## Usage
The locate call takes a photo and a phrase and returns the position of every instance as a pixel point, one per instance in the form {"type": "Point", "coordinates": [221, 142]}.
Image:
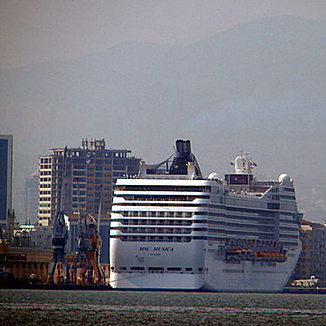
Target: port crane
{"type": "Point", "coordinates": [85, 266]}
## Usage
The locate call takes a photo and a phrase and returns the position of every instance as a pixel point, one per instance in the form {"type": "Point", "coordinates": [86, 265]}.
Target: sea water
{"type": "Point", "coordinates": [57, 307]}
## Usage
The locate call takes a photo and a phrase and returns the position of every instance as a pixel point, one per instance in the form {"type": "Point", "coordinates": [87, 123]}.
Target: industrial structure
{"type": "Point", "coordinates": [85, 265]}
{"type": "Point", "coordinates": [91, 173]}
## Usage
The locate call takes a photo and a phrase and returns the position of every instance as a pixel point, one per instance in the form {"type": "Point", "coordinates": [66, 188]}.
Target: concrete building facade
{"type": "Point", "coordinates": [90, 173]}
{"type": "Point", "coordinates": [6, 164]}
{"type": "Point", "coordinates": [319, 251]}
{"type": "Point", "coordinates": [312, 261]}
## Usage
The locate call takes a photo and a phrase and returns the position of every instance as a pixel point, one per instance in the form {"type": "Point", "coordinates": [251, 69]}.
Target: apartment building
{"type": "Point", "coordinates": [89, 173]}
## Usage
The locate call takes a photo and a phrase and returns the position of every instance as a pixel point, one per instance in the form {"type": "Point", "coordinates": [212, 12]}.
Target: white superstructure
{"type": "Point", "coordinates": [172, 229]}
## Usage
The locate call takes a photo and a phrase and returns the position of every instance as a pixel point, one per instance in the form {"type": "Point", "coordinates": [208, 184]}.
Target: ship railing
{"type": "Point", "coordinates": [185, 199]}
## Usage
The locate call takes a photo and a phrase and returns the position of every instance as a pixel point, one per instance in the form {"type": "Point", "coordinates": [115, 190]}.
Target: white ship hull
{"type": "Point", "coordinates": [156, 281]}
{"type": "Point", "coordinates": [249, 276]}
{"type": "Point", "coordinates": [154, 254]}
{"type": "Point", "coordinates": [217, 275]}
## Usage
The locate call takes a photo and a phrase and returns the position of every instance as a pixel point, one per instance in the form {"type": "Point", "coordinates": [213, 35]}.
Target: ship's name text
{"type": "Point", "coordinates": [156, 249]}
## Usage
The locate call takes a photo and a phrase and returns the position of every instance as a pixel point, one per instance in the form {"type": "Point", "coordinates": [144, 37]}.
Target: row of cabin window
{"type": "Point", "coordinates": [165, 188]}
{"type": "Point", "coordinates": [154, 222]}
{"type": "Point", "coordinates": [161, 222]}
{"type": "Point", "coordinates": [142, 238]}
{"type": "Point", "coordinates": [163, 197]}
{"type": "Point", "coordinates": [158, 269]}
{"type": "Point", "coordinates": [158, 230]}
{"type": "Point", "coordinates": [156, 214]}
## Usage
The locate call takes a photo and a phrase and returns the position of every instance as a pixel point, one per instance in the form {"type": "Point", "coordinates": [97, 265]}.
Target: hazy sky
{"type": "Point", "coordinates": [265, 79]}
{"type": "Point", "coordinates": [33, 31]}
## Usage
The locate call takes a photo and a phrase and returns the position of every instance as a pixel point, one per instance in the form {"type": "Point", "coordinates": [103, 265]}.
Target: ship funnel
{"type": "Point", "coordinates": [183, 146]}
{"type": "Point", "coordinates": [182, 157]}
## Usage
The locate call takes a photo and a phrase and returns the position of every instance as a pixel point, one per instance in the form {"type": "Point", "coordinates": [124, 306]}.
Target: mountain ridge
{"type": "Point", "coordinates": [262, 87]}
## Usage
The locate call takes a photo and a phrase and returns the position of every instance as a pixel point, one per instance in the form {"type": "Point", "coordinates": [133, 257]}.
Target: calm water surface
{"type": "Point", "coordinates": [51, 307]}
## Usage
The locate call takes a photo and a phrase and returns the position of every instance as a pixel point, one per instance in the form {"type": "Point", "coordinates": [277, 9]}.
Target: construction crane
{"type": "Point", "coordinates": [60, 233]}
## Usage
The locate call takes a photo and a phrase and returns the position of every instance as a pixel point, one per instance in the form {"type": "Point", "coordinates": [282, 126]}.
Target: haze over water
{"type": "Point", "coordinates": [37, 307]}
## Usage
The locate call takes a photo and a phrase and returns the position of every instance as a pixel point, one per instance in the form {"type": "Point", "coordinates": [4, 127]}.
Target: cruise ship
{"type": "Point", "coordinates": [173, 229]}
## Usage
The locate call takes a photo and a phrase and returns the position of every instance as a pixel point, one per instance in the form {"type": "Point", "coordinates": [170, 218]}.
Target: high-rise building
{"type": "Point", "coordinates": [31, 198]}
{"type": "Point", "coordinates": [6, 162]}
{"type": "Point", "coordinates": [312, 260]}
{"type": "Point", "coordinates": [89, 173]}
{"type": "Point", "coordinates": [319, 251]}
